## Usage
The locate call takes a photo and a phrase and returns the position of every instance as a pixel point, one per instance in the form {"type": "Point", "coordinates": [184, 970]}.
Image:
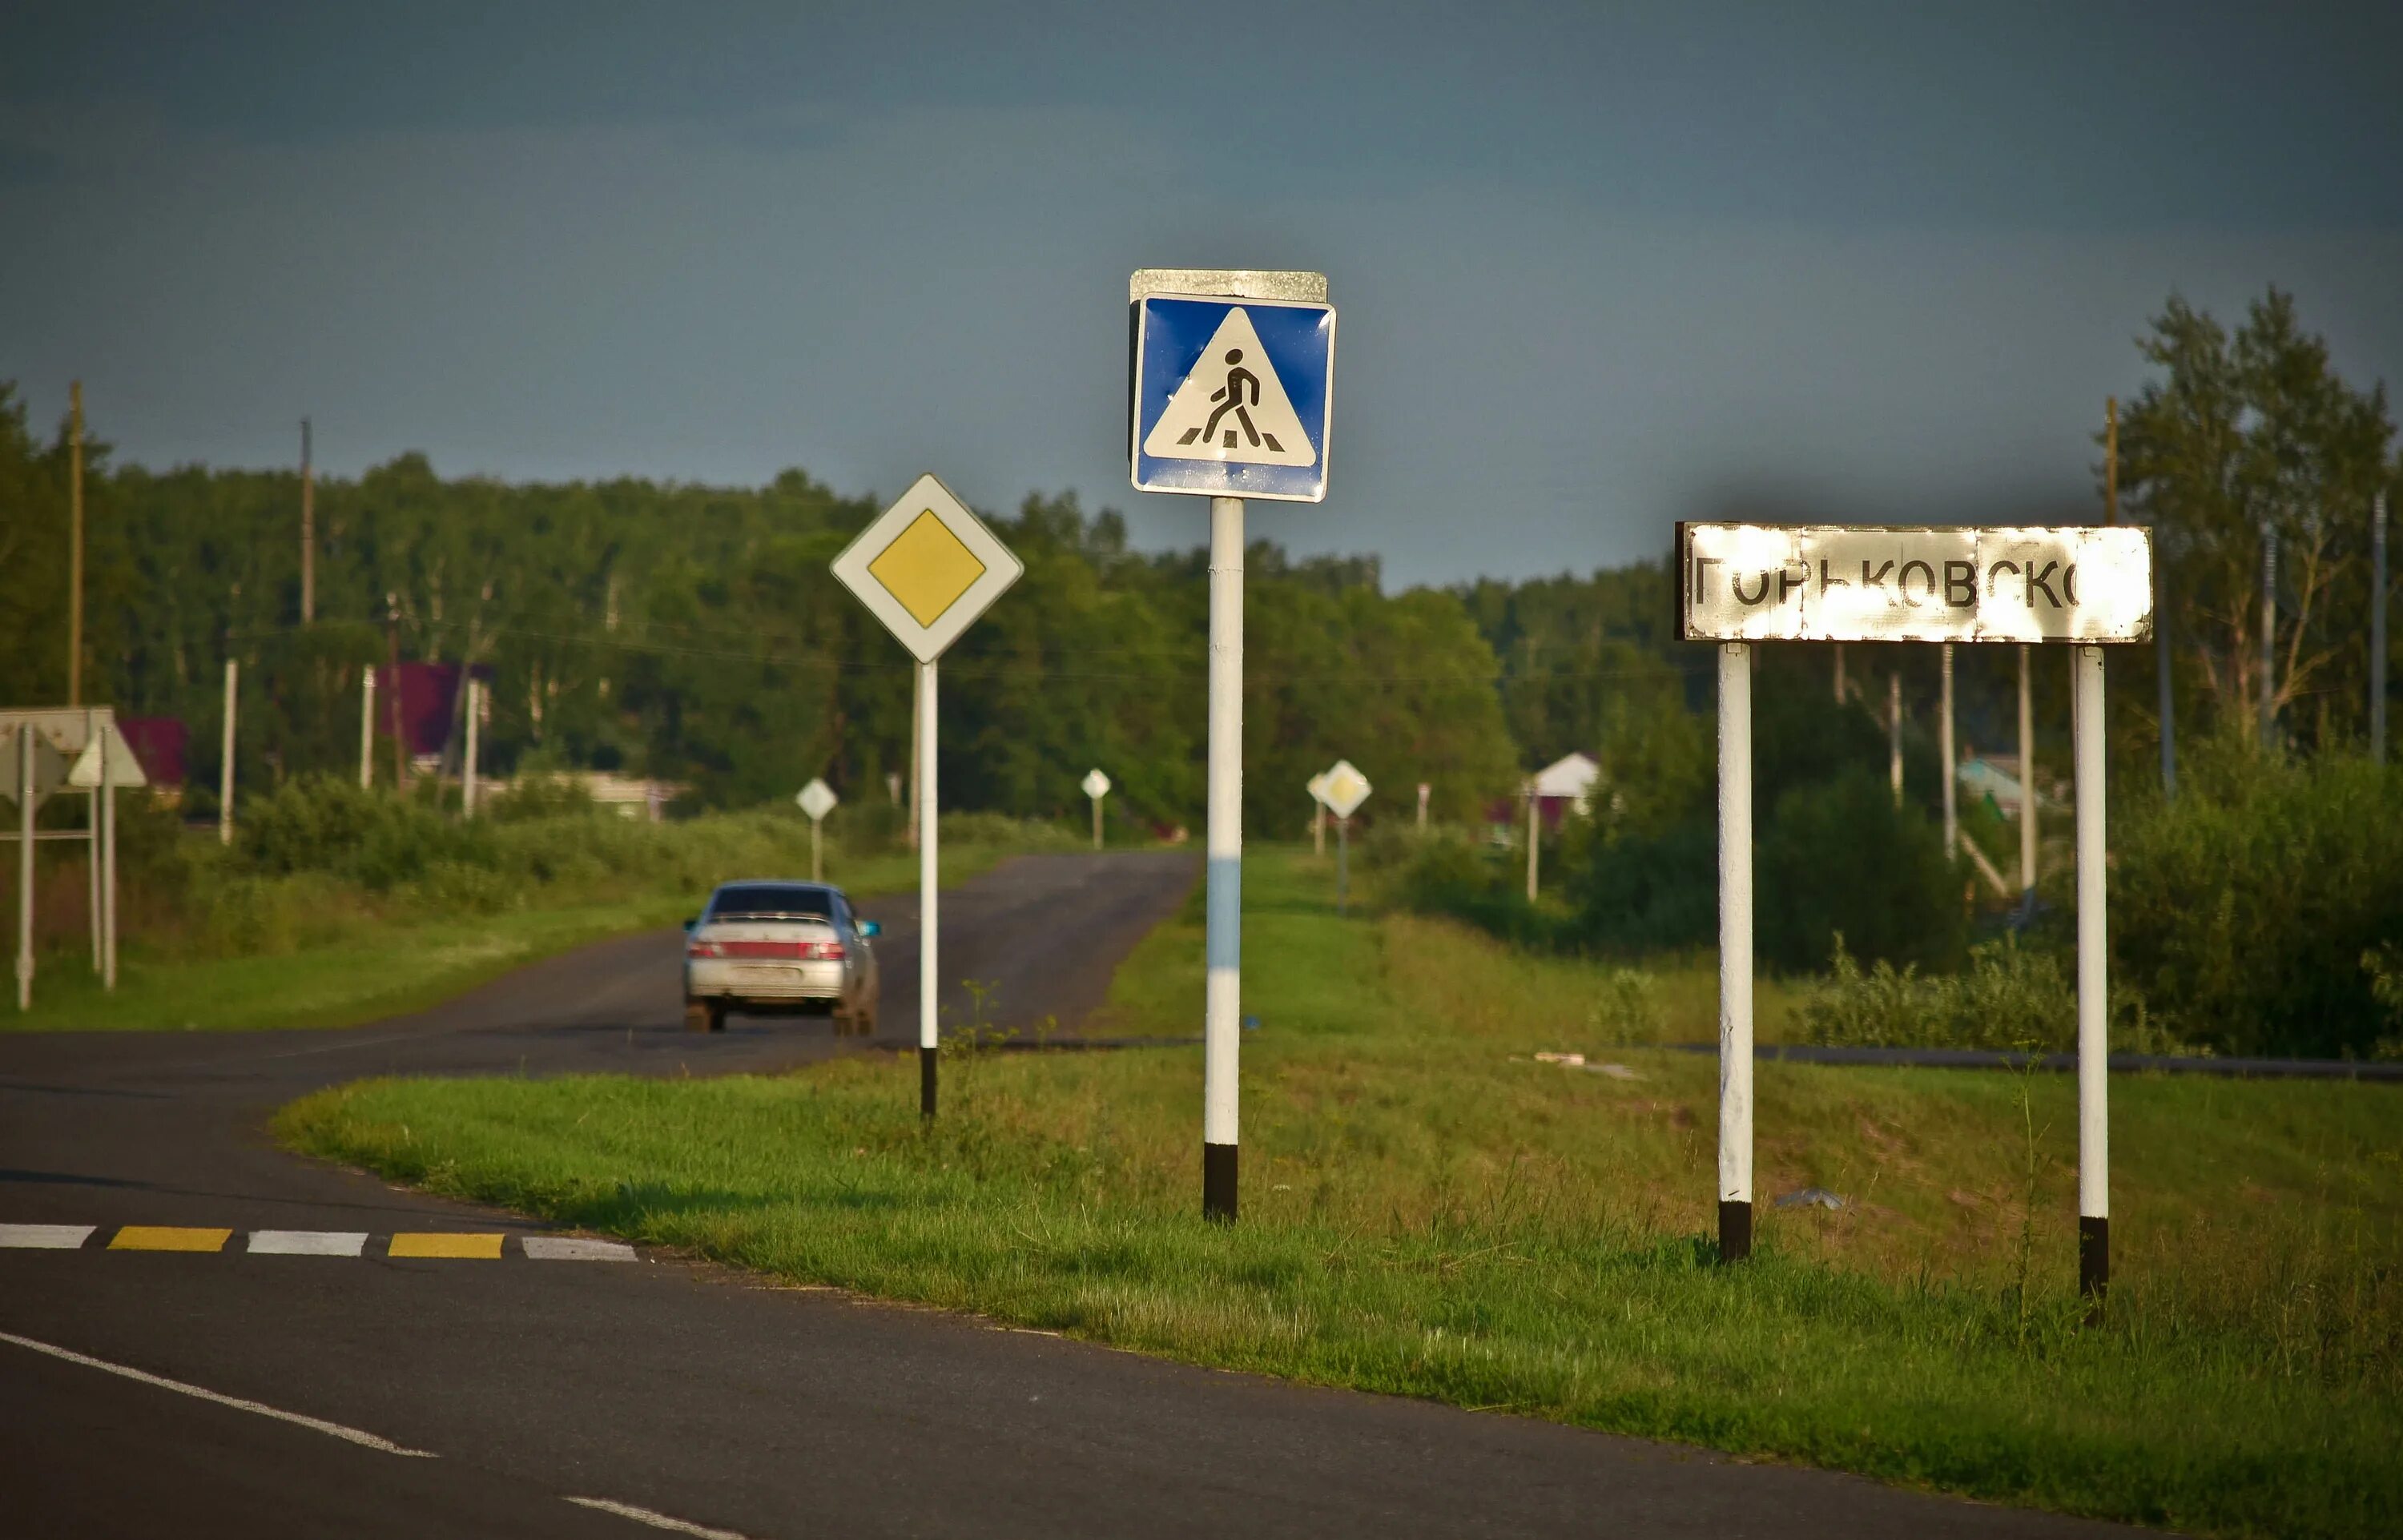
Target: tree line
{"type": "Point", "coordinates": [694, 633]}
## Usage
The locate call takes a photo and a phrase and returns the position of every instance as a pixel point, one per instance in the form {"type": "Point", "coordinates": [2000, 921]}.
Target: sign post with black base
{"type": "Point", "coordinates": [1742, 583]}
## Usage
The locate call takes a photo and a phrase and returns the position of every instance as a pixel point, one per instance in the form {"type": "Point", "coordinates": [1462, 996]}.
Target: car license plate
{"type": "Point", "coordinates": [766, 975]}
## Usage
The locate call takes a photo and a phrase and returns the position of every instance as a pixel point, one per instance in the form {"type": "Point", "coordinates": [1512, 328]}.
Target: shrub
{"type": "Point", "coordinates": [2010, 997]}
{"type": "Point", "coordinates": [1838, 857]}
{"type": "Point", "coordinates": [2243, 908]}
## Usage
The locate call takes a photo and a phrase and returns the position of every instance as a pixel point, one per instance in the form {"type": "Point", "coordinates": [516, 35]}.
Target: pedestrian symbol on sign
{"type": "Point", "coordinates": [1232, 406]}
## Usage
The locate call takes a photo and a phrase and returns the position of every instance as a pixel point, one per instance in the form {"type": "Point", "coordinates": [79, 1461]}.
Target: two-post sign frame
{"type": "Point", "coordinates": [1738, 584]}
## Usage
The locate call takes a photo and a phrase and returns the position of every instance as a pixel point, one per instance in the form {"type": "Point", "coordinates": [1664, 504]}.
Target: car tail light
{"type": "Point", "coordinates": [782, 952]}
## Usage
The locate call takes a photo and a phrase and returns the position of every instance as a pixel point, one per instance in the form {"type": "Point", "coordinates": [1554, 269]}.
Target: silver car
{"type": "Point", "coordinates": [769, 947]}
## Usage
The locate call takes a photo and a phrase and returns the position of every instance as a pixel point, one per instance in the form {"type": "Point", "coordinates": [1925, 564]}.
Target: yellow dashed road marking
{"type": "Point", "coordinates": [168, 1238]}
{"type": "Point", "coordinates": [483, 1248]}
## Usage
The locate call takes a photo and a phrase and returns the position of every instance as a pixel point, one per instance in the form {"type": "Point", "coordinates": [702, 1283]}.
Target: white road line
{"type": "Point", "coordinates": [307, 1242]}
{"type": "Point", "coordinates": [576, 1248]}
{"type": "Point", "coordinates": [317, 1424]}
{"type": "Point", "coordinates": [46, 1236]}
{"type": "Point", "coordinates": [657, 1520]}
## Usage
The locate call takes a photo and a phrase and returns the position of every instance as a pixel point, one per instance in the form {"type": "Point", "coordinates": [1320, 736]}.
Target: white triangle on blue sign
{"type": "Point", "coordinates": [1231, 407]}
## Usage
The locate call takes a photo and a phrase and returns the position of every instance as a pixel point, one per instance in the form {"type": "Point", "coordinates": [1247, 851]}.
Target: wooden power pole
{"type": "Point", "coordinates": [308, 532]}
{"type": "Point", "coordinates": [75, 544]}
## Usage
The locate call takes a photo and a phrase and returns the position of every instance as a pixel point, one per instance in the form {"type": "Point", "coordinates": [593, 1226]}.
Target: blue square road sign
{"type": "Point", "coordinates": [1232, 397]}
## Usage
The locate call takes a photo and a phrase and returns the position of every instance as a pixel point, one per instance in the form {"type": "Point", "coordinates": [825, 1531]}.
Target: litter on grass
{"type": "Point", "coordinates": [1811, 1197]}
{"type": "Point", "coordinates": [1576, 1061]}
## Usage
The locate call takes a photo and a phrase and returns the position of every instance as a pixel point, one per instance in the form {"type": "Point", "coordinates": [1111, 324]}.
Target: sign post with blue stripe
{"type": "Point", "coordinates": [1233, 385]}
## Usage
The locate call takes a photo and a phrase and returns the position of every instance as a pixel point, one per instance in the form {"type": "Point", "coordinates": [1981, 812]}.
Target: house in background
{"type": "Point", "coordinates": [1561, 787]}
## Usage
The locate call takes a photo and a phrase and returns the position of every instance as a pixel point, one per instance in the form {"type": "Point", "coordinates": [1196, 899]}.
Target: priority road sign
{"type": "Point", "coordinates": [1344, 789]}
{"type": "Point", "coordinates": [927, 567]}
{"type": "Point", "coordinates": [1231, 397]}
{"type": "Point", "coordinates": [1097, 785]}
{"type": "Point", "coordinates": [815, 800]}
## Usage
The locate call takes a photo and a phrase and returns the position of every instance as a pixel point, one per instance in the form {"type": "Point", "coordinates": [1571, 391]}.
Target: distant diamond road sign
{"type": "Point", "coordinates": [817, 800]}
{"type": "Point", "coordinates": [1344, 789]}
{"type": "Point", "coordinates": [1097, 785]}
{"type": "Point", "coordinates": [1232, 397]}
{"type": "Point", "coordinates": [927, 567]}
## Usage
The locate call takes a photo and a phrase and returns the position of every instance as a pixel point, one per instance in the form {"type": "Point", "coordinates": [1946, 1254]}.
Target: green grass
{"type": "Point", "coordinates": [361, 966]}
{"type": "Point", "coordinates": [1429, 1211]}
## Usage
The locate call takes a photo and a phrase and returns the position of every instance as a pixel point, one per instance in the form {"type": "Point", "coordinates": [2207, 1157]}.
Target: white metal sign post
{"type": "Point", "coordinates": [1743, 583]}
{"type": "Point", "coordinates": [76, 749]}
{"type": "Point", "coordinates": [816, 800]}
{"type": "Point", "coordinates": [1232, 388]}
{"type": "Point", "coordinates": [927, 567]}
{"type": "Point", "coordinates": [1343, 790]}
{"type": "Point", "coordinates": [1097, 786]}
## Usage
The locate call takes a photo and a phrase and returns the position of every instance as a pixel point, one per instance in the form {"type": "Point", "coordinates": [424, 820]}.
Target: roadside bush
{"type": "Point", "coordinates": [2010, 997]}
{"type": "Point", "coordinates": [2244, 908]}
{"type": "Point", "coordinates": [1641, 894]}
{"type": "Point", "coordinates": [1838, 857]}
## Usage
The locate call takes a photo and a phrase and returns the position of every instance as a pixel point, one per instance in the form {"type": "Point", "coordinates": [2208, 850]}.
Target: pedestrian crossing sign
{"type": "Point", "coordinates": [1232, 397]}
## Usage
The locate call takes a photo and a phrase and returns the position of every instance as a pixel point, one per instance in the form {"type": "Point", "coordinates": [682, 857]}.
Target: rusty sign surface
{"type": "Point", "coordinates": [1914, 583]}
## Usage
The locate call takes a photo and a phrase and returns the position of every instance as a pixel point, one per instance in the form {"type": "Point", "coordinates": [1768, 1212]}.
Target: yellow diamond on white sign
{"type": "Point", "coordinates": [927, 567]}
{"type": "Point", "coordinates": [1344, 789]}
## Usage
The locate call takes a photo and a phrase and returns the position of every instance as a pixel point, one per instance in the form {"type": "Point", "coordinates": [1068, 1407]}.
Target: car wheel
{"type": "Point", "coordinates": [703, 1016]}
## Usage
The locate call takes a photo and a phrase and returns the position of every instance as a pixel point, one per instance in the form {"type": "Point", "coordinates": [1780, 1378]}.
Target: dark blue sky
{"type": "Point", "coordinates": [1599, 268]}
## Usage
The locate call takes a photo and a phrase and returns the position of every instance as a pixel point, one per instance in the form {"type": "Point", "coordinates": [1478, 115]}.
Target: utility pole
{"type": "Point", "coordinates": [468, 779]}
{"type": "Point", "coordinates": [75, 545]}
{"type": "Point", "coordinates": [2269, 632]}
{"type": "Point", "coordinates": [392, 707]}
{"type": "Point", "coordinates": [2378, 631]}
{"type": "Point", "coordinates": [1894, 732]}
{"type": "Point", "coordinates": [1952, 792]}
{"type": "Point", "coordinates": [1534, 836]}
{"type": "Point", "coordinates": [1840, 673]}
{"type": "Point", "coordinates": [308, 532]}
{"type": "Point", "coordinates": [2110, 460]}
{"type": "Point", "coordinates": [225, 770]}
{"type": "Point", "coordinates": [366, 727]}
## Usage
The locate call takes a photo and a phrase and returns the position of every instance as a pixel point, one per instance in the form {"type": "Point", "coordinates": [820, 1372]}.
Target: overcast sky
{"type": "Point", "coordinates": [1599, 266]}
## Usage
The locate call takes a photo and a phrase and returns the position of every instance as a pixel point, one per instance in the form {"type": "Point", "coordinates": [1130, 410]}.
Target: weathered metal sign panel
{"type": "Point", "coordinates": [1898, 583]}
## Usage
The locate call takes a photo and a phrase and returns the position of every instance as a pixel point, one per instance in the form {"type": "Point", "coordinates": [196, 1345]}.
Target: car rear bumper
{"type": "Point", "coordinates": [762, 981]}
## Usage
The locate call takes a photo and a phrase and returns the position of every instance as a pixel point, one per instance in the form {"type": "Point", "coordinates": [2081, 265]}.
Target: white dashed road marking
{"type": "Point", "coordinates": [316, 1424]}
{"type": "Point", "coordinates": [307, 1242]}
{"type": "Point", "coordinates": [574, 1248]}
{"type": "Point", "coordinates": [46, 1236]}
{"type": "Point", "coordinates": [657, 1520]}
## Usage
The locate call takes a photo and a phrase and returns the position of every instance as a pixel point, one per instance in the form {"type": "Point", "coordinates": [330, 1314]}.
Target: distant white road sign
{"type": "Point", "coordinates": [1892, 583]}
{"type": "Point", "coordinates": [1232, 397]}
{"type": "Point", "coordinates": [817, 800]}
{"type": "Point", "coordinates": [1097, 785]}
{"type": "Point", "coordinates": [1344, 789]}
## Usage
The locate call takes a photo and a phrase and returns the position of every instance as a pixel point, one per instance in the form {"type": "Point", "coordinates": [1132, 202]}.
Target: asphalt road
{"type": "Point", "coordinates": [235, 1394]}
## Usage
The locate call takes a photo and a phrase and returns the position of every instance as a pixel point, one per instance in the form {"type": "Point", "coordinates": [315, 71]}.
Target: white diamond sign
{"type": "Point", "coordinates": [817, 800]}
{"type": "Point", "coordinates": [1097, 785]}
{"type": "Point", "coordinates": [1344, 789]}
{"type": "Point", "coordinates": [927, 567]}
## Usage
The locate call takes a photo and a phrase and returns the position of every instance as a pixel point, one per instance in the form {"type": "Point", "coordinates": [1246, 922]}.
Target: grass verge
{"type": "Point", "coordinates": [1430, 1211]}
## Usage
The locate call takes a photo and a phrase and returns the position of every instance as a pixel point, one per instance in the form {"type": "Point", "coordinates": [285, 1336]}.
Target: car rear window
{"type": "Point", "coordinates": [758, 901]}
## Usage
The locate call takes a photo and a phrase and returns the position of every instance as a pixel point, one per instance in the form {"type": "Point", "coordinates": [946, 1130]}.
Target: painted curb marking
{"type": "Point", "coordinates": [574, 1248]}
{"type": "Point", "coordinates": [170, 1238]}
{"type": "Point", "coordinates": [46, 1236]}
{"type": "Point", "coordinates": [470, 1247]}
{"type": "Point", "coordinates": [307, 1242]}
